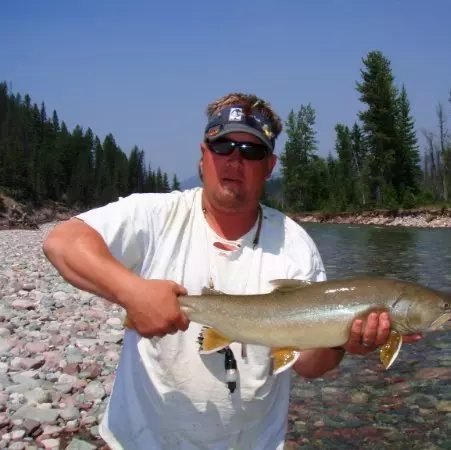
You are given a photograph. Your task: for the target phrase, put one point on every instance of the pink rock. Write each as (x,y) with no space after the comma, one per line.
(79,384)
(23,304)
(17,349)
(31,363)
(71,369)
(4,420)
(51,431)
(84,406)
(57,339)
(51,444)
(95,314)
(112,356)
(52,359)
(67,401)
(82,326)
(36,347)
(93,370)
(108,384)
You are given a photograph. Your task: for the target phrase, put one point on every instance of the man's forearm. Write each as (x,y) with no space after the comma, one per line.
(83,259)
(315,363)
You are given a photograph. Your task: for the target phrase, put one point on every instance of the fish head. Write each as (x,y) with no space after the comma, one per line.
(424,309)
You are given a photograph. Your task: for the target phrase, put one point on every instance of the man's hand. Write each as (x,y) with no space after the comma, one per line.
(153,309)
(367,336)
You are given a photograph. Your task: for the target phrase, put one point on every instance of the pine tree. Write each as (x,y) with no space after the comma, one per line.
(359,161)
(159,181)
(407,173)
(166,187)
(136,171)
(346,174)
(379,122)
(175,183)
(296,159)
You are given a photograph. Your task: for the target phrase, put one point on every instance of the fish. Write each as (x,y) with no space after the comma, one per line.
(298,315)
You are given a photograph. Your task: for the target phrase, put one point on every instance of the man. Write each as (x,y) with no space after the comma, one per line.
(143,251)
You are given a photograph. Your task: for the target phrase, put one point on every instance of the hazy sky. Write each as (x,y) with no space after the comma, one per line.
(145,70)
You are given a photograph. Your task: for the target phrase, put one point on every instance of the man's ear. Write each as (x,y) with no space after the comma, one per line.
(271,164)
(200,168)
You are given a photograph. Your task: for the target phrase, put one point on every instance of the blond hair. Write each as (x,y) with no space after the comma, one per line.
(247,101)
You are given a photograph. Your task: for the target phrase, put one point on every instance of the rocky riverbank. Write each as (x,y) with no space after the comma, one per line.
(18,216)
(422,217)
(58,351)
(59,347)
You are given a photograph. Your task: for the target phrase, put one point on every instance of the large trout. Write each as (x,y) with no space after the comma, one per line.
(298,315)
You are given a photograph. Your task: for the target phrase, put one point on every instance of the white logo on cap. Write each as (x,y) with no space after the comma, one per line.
(236,114)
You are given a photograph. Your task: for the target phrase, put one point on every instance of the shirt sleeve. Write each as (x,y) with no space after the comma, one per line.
(124,226)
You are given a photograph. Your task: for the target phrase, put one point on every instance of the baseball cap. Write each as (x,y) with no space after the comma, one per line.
(240,119)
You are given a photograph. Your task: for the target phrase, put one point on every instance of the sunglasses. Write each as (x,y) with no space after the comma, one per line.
(248,150)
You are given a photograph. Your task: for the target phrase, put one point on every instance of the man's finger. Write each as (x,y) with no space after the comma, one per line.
(180,290)
(182,322)
(370,330)
(356,331)
(412,338)
(383,330)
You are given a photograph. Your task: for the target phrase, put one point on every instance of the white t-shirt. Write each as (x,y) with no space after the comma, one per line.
(165,394)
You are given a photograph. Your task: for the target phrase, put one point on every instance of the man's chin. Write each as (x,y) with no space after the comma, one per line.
(230,196)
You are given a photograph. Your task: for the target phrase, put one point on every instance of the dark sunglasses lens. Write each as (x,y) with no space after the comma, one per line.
(249,150)
(222,147)
(253,151)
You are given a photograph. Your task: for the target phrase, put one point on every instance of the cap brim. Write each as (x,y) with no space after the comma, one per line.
(241,128)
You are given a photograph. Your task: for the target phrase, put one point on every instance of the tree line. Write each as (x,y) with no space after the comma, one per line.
(377,161)
(40,159)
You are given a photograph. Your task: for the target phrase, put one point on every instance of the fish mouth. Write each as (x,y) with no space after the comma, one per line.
(437,323)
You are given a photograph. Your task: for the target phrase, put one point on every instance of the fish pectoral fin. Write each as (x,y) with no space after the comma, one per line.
(210,291)
(289,284)
(211,341)
(390,350)
(283,358)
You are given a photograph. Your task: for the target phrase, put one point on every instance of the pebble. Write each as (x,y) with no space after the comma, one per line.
(361,405)
(56,359)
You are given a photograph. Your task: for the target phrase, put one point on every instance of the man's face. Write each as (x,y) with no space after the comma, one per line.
(232,182)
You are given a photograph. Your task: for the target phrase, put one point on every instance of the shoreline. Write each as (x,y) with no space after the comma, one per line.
(419,218)
(16,216)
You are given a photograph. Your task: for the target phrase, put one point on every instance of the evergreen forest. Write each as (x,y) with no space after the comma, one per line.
(377,160)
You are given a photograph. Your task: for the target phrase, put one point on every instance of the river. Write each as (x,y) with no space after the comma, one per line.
(360,405)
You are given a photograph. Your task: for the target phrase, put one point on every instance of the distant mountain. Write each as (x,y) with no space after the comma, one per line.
(190,182)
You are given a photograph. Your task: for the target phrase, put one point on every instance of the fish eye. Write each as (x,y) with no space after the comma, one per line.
(447,306)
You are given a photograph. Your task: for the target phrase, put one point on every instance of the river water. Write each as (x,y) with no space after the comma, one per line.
(360,405)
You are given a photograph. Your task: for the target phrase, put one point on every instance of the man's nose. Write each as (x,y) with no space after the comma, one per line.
(236,155)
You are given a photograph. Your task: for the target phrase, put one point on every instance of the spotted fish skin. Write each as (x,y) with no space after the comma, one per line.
(297,315)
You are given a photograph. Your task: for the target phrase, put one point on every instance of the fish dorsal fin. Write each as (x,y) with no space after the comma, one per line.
(287,285)
(210,291)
